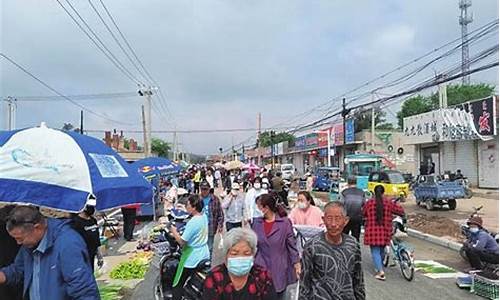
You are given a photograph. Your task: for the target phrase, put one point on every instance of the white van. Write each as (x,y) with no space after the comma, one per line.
(287,171)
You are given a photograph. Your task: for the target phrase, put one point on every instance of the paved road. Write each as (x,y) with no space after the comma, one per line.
(395,287)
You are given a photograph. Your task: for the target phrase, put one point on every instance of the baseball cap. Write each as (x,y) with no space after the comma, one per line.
(204,185)
(476,221)
(235,186)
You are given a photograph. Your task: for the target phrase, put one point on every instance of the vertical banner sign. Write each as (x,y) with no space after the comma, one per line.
(349,131)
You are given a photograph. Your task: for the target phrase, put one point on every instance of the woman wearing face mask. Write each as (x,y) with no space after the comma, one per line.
(277,246)
(305,212)
(251,210)
(86,225)
(193,242)
(238,277)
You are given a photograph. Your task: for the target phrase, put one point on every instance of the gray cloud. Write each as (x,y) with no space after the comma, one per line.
(222,62)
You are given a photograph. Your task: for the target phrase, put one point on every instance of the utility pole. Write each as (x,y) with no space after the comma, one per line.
(145,136)
(11,112)
(147,93)
(81,121)
(259,120)
(373,124)
(272,147)
(443,96)
(175,146)
(464,19)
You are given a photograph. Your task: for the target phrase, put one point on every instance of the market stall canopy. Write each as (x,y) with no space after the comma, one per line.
(156,166)
(63,169)
(234,164)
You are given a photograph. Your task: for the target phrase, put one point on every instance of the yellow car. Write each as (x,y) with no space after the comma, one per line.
(393,182)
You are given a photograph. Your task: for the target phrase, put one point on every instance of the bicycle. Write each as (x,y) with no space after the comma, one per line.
(401,252)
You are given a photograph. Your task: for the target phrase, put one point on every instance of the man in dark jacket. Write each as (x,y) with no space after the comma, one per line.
(354,200)
(213,210)
(52,260)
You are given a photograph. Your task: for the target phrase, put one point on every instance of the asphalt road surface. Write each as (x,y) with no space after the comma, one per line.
(395,287)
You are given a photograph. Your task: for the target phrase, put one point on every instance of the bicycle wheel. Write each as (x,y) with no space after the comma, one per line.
(406,265)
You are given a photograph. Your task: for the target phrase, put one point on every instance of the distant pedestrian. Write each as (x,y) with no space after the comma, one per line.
(332,261)
(423,168)
(129,214)
(354,200)
(277,245)
(86,225)
(378,213)
(234,208)
(213,210)
(197,180)
(432,169)
(250,204)
(52,262)
(309,182)
(306,212)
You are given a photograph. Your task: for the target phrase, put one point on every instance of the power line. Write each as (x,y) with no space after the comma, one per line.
(189,130)
(116,40)
(101,96)
(58,93)
(163,101)
(402,94)
(102,48)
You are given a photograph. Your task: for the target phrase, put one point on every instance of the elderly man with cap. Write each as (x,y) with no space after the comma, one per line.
(213,210)
(480,246)
(234,207)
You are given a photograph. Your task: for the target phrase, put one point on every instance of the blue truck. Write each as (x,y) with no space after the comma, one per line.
(431,191)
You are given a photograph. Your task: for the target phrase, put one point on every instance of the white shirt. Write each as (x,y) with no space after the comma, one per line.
(250,205)
(210,180)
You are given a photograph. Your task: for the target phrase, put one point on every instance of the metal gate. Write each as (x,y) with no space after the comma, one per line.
(461,155)
(488,163)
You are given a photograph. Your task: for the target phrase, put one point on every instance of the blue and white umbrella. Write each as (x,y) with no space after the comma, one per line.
(62,170)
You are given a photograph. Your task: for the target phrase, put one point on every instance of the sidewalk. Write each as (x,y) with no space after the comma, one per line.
(489,212)
(485,193)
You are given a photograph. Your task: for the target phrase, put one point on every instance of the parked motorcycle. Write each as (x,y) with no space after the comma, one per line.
(167,256)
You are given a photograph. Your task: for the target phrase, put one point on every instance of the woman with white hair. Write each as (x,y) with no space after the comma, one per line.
(238,277)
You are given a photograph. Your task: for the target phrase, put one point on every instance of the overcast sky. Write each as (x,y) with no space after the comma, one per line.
(219,63)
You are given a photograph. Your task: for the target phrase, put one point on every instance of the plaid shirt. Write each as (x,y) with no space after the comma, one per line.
(375,234)
(215,215)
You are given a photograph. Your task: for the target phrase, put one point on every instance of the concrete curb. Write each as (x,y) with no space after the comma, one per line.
(435,240)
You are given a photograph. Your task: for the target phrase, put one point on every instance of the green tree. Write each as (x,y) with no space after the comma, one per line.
(160,147)
(126,143)
(456,94)
(363,120)
(268,138)
(414,106)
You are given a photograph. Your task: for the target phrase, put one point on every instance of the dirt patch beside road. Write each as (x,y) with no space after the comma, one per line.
(435,225)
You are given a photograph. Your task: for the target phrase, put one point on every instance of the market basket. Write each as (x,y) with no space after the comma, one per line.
(484,287)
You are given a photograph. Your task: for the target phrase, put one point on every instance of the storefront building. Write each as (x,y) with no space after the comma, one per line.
(463,137)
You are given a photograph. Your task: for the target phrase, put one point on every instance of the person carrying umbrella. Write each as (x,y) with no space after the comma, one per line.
(52,262)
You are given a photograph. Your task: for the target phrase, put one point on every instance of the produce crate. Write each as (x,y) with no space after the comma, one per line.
(484,287)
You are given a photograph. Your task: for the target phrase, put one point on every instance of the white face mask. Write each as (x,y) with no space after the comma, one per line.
(265,186)
(234,192)
(301,205)
(474,229)
(256,186)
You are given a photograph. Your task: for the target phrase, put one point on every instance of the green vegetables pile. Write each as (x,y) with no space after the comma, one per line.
(110,292)
(134,269)
(432,269)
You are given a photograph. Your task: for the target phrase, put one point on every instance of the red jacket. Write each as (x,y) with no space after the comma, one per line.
(375,234)
(136,206)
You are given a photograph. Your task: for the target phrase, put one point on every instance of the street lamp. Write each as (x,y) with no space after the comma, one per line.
(328,143)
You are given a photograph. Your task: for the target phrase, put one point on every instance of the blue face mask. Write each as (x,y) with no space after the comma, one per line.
(239,266)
